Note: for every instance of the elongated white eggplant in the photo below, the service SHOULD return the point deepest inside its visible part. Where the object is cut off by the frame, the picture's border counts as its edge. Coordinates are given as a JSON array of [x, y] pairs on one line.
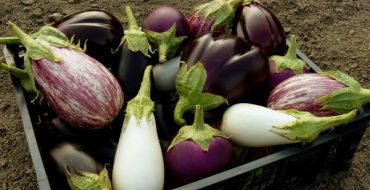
[[138, 162], [256, 126]]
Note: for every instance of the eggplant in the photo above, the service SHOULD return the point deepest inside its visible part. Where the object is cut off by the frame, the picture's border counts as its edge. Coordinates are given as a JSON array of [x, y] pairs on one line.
[[235, 71], [284, 67], [80, 168], [259, 26], [78, 88], [167, 28], [322, 94], [198, 151], [134, 57], [213, 16], [100, 30]]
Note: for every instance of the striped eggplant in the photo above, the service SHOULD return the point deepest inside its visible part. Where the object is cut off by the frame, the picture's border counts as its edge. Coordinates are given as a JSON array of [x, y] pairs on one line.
[[322, 94], [79, 89]]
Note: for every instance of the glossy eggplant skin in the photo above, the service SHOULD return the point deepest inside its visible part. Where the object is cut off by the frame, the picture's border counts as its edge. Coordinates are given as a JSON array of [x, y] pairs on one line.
[[102, 30], [235, 71], [259, 26], [130, 71]]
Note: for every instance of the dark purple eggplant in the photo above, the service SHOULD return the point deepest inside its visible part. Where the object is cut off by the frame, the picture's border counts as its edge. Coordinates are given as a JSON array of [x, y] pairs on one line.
[[198, 151], [134, 57], [167, 29], [213, 16], [101, 30], [284, 67], [259, 26], [235, 71]]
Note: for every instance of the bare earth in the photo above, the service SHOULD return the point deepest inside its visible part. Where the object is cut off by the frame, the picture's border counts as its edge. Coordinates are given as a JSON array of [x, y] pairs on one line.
[[333, 33]]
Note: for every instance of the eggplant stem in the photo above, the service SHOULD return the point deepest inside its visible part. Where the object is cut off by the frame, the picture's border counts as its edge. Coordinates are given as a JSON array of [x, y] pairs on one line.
[[198, 123], [10, 41], [292, 50], [132, 23], [13, 70]]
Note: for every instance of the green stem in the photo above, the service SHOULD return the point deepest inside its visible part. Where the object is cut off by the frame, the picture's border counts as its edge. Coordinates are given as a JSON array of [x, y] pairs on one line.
[[292, 50], [10, 40], [162, 50], [13, 70], [325, 123], [142, 106], [24, 38], [365, 93], [145, 87], [132, 24], [198, 123]]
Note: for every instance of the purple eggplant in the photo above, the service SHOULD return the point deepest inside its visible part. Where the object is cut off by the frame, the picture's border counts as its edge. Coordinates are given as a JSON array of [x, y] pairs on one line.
[[167, 29], [198, 151], [235, 71], [283, 67], [213, 16], [259, 26], [322, 94], [78, 88], [99, 29]]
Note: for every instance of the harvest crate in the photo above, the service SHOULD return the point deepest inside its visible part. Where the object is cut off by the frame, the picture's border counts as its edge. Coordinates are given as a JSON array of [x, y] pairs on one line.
[[288, 167]]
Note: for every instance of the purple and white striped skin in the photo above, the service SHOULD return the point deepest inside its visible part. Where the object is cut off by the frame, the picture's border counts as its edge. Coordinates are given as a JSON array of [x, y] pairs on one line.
[[303, 92], [79, 88]]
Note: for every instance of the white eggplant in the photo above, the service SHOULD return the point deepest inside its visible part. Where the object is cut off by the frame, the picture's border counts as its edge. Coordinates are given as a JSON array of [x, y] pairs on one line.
[[138, 163], [256, 126]]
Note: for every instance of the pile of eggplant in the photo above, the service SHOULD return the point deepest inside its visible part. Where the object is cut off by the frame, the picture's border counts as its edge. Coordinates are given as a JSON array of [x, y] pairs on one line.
[[174, 99]]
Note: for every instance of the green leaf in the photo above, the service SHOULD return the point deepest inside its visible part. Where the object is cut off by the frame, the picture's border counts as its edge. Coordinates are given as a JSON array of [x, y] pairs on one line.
[[344, 79], [189, 85]]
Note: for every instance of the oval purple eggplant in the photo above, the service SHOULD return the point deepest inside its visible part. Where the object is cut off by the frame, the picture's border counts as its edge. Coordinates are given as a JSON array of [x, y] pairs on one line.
[[79, 89], [102, 30], [303, 92], [258, 25], [234, 70], [187, 162], [162, 18]]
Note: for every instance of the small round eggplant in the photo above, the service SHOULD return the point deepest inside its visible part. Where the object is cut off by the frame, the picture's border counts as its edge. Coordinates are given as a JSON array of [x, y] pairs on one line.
[[258, 25], [162, 18], [284, 67], [198, 151]]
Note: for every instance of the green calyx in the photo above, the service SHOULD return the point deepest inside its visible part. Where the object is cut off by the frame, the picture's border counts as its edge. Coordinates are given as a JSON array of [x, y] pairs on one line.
[[345, 99], [290, 60], [81, 180], [222, 10], [38, 47], [136, 39], [142, 106], [200, 133], [307, 127], [166, 42], [189, 85]]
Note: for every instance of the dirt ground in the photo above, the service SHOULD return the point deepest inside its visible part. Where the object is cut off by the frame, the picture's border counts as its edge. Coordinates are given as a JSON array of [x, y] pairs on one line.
[[333, 33]]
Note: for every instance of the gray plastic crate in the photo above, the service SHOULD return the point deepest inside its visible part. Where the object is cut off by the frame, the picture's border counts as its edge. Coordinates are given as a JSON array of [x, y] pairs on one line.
[[290, 167]]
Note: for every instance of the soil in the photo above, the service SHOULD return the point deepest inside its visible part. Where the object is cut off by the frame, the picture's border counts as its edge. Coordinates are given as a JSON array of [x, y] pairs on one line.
[[333, 33]]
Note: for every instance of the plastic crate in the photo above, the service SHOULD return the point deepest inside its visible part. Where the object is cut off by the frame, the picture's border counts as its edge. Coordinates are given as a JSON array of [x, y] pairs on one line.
[[289, 167]]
